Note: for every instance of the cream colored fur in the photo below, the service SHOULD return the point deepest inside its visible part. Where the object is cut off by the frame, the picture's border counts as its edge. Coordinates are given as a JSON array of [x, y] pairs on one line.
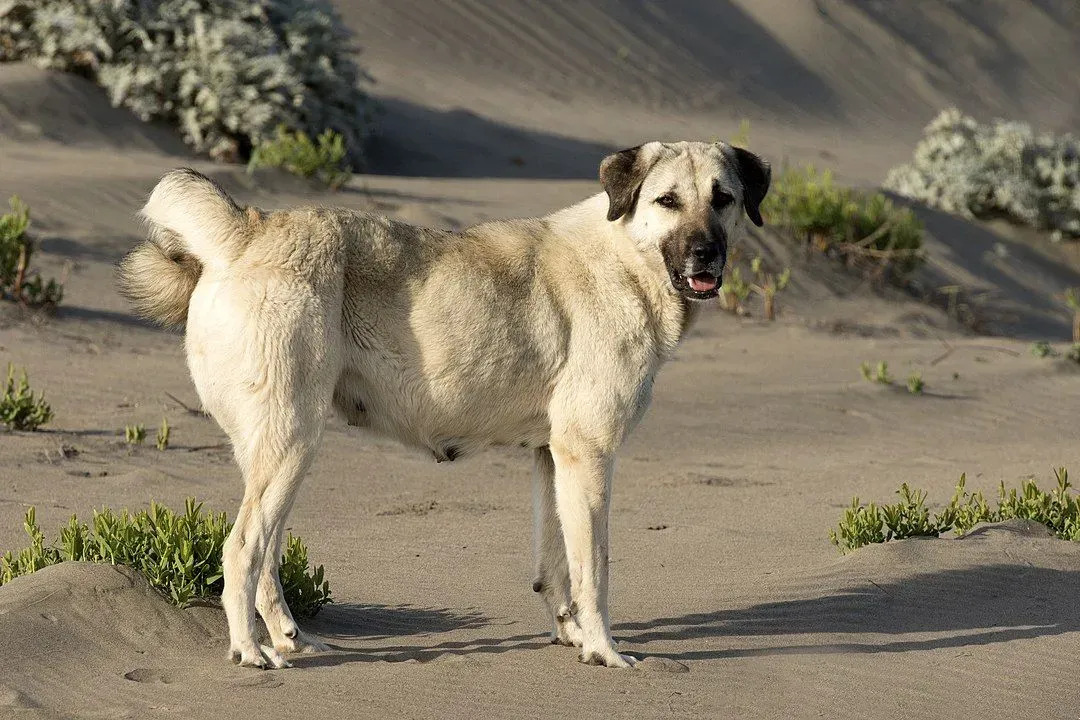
[[539, 332]]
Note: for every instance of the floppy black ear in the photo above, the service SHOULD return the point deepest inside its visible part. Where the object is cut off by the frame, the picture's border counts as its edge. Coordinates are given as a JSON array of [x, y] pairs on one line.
[[755, 175], [621, 174]]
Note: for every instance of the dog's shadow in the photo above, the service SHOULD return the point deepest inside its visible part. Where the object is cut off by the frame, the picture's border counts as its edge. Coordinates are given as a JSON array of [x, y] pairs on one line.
[[345, 622], [967, 607], [962, 608]]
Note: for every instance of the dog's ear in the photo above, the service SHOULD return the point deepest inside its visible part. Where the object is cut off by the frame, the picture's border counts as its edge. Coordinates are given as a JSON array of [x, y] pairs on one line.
[[621, 174], [755, 175]]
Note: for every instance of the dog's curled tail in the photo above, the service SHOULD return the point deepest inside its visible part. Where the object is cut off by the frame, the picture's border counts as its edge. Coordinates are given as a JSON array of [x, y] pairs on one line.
[[193, 224]]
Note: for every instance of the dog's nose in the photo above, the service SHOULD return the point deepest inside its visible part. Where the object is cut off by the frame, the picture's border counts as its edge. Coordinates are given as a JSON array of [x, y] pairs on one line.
[[704, 251]]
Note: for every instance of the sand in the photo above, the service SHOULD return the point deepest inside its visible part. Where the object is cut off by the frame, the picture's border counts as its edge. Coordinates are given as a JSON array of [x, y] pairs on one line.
[[760, 433]]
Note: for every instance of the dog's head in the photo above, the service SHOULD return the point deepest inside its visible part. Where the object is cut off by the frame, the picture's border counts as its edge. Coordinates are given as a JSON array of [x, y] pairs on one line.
[[685, 200]]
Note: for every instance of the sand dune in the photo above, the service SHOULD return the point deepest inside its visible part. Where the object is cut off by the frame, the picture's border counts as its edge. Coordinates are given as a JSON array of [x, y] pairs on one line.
[[759, 435]]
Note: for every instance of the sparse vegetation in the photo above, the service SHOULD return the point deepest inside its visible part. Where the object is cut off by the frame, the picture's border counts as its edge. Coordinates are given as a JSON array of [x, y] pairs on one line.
[[742, 137], [18, 281], [134, 434], [876, 374], [862, 524], [20, 407], [296, 153], [227, 72], [1041, 349], [1072, 300], [163, 435], [178, 553], [866, 231], [768, 285], [736, 291], [1000, 169], [1073, 354], [915, 383]]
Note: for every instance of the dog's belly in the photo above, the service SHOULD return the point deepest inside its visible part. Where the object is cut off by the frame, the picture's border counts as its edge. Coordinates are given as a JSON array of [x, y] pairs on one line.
[[450, 418]]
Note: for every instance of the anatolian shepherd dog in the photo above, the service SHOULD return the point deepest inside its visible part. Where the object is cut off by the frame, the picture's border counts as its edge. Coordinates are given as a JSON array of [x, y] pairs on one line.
[[542, 332]]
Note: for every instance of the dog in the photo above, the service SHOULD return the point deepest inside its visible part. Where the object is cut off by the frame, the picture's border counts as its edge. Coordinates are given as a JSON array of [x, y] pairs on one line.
[[544, 332]]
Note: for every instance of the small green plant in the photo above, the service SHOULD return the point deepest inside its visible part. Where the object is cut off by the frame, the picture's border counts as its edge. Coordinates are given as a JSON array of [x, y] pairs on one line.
[[1072, 300], [915, 383], [862, 525], [876, 374], [178, 553], [17, 282], [1041, 349], [1073, 353], [134, 434], [863, 230], [163, 435], [736, 291], [768, 285], [20, 408], [742, 137], [323, 159]]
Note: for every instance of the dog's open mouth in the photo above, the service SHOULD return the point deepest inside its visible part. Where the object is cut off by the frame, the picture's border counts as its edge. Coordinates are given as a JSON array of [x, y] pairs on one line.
[[699, 286]]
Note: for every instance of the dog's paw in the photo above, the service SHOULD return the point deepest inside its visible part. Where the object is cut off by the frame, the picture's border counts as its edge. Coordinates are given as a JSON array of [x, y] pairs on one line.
[[301, 642], [607, 657], [258, 656], [567, 632]]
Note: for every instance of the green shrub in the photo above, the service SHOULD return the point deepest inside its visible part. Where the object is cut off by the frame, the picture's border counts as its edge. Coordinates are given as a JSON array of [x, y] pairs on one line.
[[17, 281], [20, 408], [296, 153], [1073, 353], [862, 525], [864, 230], [178, 554], [1041, 349], [227, 72]]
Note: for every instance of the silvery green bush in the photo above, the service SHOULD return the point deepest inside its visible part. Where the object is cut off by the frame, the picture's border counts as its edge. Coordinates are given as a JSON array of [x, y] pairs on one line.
[[1003, 168], [228, 72]]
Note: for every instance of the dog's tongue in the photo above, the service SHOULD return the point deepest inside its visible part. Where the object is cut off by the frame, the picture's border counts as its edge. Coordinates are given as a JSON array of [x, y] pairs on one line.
[[702, 283]]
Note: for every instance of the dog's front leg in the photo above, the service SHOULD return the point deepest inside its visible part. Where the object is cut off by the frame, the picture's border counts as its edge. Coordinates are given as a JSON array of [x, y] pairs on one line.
[[582, 497], [552, 579]]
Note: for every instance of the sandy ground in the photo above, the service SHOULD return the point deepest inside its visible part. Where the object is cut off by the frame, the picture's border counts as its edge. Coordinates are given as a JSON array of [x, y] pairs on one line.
[[760, 433]]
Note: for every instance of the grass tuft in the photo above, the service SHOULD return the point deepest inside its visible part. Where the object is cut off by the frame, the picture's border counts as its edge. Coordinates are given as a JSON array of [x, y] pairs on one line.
[[877, 374], [20, 407], [862, 525], [915, 384], [179, 554], [134, 434], [163, 435]]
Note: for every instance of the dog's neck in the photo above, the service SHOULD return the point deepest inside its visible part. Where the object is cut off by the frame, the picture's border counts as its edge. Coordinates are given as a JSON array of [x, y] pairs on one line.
[[669, 313]]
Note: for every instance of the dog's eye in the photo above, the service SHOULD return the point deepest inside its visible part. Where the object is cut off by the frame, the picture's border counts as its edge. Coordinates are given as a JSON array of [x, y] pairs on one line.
[[667, 200], [721, 199]]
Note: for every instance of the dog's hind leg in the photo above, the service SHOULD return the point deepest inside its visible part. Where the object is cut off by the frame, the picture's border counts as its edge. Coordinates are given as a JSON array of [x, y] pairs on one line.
[[274, 460], [552, 579], [285, 635], [265, 360]]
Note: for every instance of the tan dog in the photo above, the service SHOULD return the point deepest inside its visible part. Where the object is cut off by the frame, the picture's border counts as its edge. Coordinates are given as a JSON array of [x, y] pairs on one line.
[[545, 333]]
